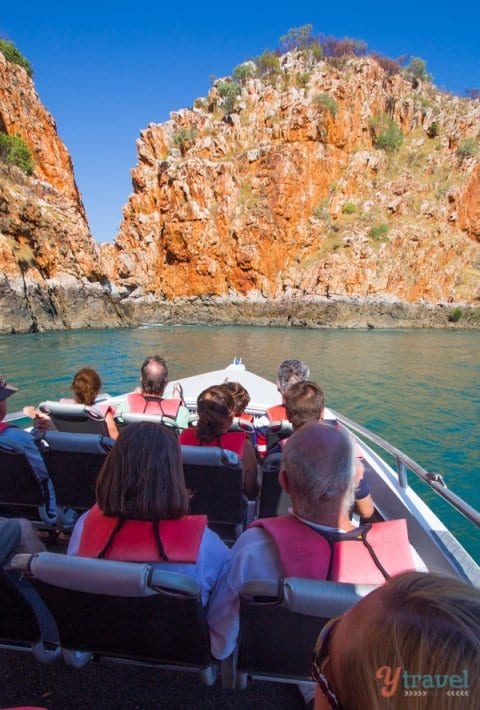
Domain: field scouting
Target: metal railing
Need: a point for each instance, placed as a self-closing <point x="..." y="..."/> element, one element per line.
<point x="404" y="463"/>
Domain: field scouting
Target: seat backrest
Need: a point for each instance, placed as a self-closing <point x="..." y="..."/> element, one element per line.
<point x="76" y="418"/>
<point x="277" y="431"/>
<point x="18" y="483"/>
<point x="214" y="476"/>
<point x="121" y="610"/>
<point x="25" y="622"/>
<point x="273" y="499"/>
<point x="134" y="417"/>
<point x="280" y="622"/>
<point x="74" y="461"/>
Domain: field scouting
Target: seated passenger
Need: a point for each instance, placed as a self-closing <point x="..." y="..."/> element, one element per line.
<point x="215" y="408"/>
<point x="419" y="635"/>
<point x="304" y="402"/>
<point x="241" y="398"/>
<point x="317" y="540"/>
<point x="86" y="387"/>
<point x="288" y="373"/>
<point x="21" y="439"/>
<point x="150" y="400"/>
<point x="141" y="513"/>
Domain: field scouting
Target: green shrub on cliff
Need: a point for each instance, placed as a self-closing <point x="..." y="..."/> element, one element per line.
<point x="327" y="101"/>
<point x="387" y="133"/>
<point x="12" y="54"/>
<point x="467" y="149"/>
<point x="268" y="66"/>
<point x="14" y="151"/>
<point x="229" y="92"/>
<point x="455" y="316"/>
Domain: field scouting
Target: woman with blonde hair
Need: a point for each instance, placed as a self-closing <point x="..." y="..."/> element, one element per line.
<point x="216" y="407"/>
<point x="412" y="643"/>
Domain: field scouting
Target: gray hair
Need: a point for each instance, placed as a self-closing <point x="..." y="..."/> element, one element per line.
<point x="290" y="372"/>
<point x="320" y="465"/>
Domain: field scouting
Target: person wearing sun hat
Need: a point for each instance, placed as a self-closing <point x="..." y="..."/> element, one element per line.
<point x="21" y="440"/>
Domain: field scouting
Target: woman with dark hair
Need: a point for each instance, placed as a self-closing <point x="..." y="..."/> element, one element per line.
<point x="215" y="408"/>
<point x="141" y="513"/>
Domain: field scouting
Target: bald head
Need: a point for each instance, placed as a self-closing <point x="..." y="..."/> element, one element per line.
<point x="154" y="376"/>
<point x="318" y="463"/>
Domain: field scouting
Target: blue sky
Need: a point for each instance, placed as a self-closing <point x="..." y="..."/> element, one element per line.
<point x="107" y="69"/>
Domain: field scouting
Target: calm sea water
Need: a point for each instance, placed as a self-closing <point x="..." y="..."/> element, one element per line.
<point x="418" y="389"/>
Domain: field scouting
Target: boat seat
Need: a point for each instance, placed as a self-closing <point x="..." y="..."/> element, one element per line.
<point x="20" y="490"/>
<point x="273" y="499"/>
<point x="135" y="417"/>
<point x="25" y="622"/>
<point x="280" y="622"/>
<point x="75" y="418"/>
<point x="277" y="431"/>
<point x="214" y="476"/>
<point x="74" y="461"/>
<point x="122" y="611"/>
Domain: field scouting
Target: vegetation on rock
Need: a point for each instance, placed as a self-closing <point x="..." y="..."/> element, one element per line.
<point x="14" y="150"/>
<point x="12" y="54"/>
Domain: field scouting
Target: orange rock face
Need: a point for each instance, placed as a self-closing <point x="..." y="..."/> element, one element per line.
<point x="50" y="275"/>
<point x="288" y="196"/>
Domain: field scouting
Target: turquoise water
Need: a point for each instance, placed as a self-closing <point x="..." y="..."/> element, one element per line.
<point x="418" y="389"/>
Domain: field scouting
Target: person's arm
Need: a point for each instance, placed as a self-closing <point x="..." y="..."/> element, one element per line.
<point x="183" y="417"/>
<point x="250" y="471"/>
<point x="111" y="425"/>
<point x="254" y="556"/>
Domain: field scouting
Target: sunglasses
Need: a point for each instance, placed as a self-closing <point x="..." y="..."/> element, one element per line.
<point x="320" y="659"/>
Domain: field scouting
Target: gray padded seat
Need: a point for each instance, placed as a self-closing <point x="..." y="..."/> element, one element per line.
<point x="20" y="491"/>
<point x="74" y="461"/>
<point x="280" y="622"/>
<point x="214" y="476"/>
<point x="135" y="417"/>
<point x="122" y="611"/>
<point x="76" y="418"/>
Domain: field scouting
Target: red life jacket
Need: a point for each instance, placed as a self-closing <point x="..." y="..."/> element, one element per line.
<point x="276" y="413"/>
<point x="231" y="440"/>
<point x="135" y="540"/>
<point x="146" y="404"/>
<point x="368" y="555"/>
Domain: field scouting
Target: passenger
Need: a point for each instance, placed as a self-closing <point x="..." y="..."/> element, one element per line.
<point x="419" y="635"/>
<point x="141" y="513"/>
<point x="305" y="402"/>
<point x="150" y="399"/>
<point x="86" y="387"/>
<point x="17" y="535"/>
<point x="215" y="407"/>
<point x="317" y="540"/>
<point x="22" y="440"/>
<point x="241" y="398"/>
<point x="288" y="373"/>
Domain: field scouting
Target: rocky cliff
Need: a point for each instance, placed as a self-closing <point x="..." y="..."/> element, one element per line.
<point x="50" y="276"/>
<point x="286" y="209"/>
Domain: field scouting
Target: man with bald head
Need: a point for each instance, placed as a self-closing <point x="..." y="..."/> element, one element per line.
<point x="150" y="399"/>
<point x="316" y="540"/>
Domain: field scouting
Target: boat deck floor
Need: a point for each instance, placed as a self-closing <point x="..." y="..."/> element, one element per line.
<point x="109" y="686"/>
